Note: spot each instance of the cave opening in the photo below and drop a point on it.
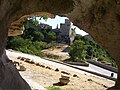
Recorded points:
(33, 42)
(99, 18)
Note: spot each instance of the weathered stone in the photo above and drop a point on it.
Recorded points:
(48, 68)
(22, 67)
(27, 60)
(43, 66)
(64, 80)
(100, 18)
(65, 76)
(57, 69)
(65, 72)
(37, 64)
(32, 62)
(75, 76)
(89, 79)
(19, 57)
(9, 76)
(16, 63)
(22, 58)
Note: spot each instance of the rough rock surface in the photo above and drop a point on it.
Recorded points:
(100, 18)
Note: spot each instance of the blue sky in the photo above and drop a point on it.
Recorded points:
(57, 20)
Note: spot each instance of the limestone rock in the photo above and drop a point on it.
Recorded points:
(48, 68)
(64, 80)
(43, 66)
(100, 18)
(37, 64)
(75, 76)
(56, 69)
(64, 72)
(19, 57)
(22, 68)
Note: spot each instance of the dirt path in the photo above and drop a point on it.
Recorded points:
(57, 52)
(32, 83)
(47, 77)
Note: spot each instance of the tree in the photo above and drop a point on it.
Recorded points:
(51, 36)
(89, 52)
(40, 45)
(38, 36)
(28, 34)
(18, 42)
(77, 50)
(78, 37)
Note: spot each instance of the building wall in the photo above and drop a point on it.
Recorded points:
(65, 29)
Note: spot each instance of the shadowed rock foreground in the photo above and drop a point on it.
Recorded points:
(100, 18)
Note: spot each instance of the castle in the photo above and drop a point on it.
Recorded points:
(66, 31)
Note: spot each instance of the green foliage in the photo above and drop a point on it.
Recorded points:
(53, 88)
(38, 36)
(101, 58)
(44, 17)
(51, 36)
(24, 45)
(107, 59)
(32, 41)
(51, 44)
(90, 49)
(40, 45)
(78, 37)
(77, 50)
(19, 42)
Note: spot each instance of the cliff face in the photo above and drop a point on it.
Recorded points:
(100, 18)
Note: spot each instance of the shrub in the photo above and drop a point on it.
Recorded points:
(53, 88)
(40, 45)
(77, 50)
(101, 58)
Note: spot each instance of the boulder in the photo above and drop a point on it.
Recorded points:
(57, 70)
(64, 80)
(22, 68)
(64, 72)
(19, 57)
(75, 76)
(48, 68)
(37, 64)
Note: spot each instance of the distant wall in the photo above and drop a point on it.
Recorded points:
(113, 69)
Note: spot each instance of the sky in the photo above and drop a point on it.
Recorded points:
(57, 20)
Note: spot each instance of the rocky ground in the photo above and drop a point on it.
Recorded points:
(56, 53)
(47, 76)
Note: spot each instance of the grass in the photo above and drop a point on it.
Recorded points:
(53, 88)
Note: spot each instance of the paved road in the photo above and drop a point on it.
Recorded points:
(58, 65)
(98, 70)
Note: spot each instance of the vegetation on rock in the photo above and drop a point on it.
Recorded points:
(53, 88)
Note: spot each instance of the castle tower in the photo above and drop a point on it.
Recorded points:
(65, 28)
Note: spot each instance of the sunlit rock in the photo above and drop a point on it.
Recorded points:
(99, 18)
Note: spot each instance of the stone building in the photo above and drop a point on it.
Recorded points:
(42, 26)
(66, 32)
(65, 29)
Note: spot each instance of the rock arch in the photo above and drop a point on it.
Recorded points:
(100, 18)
